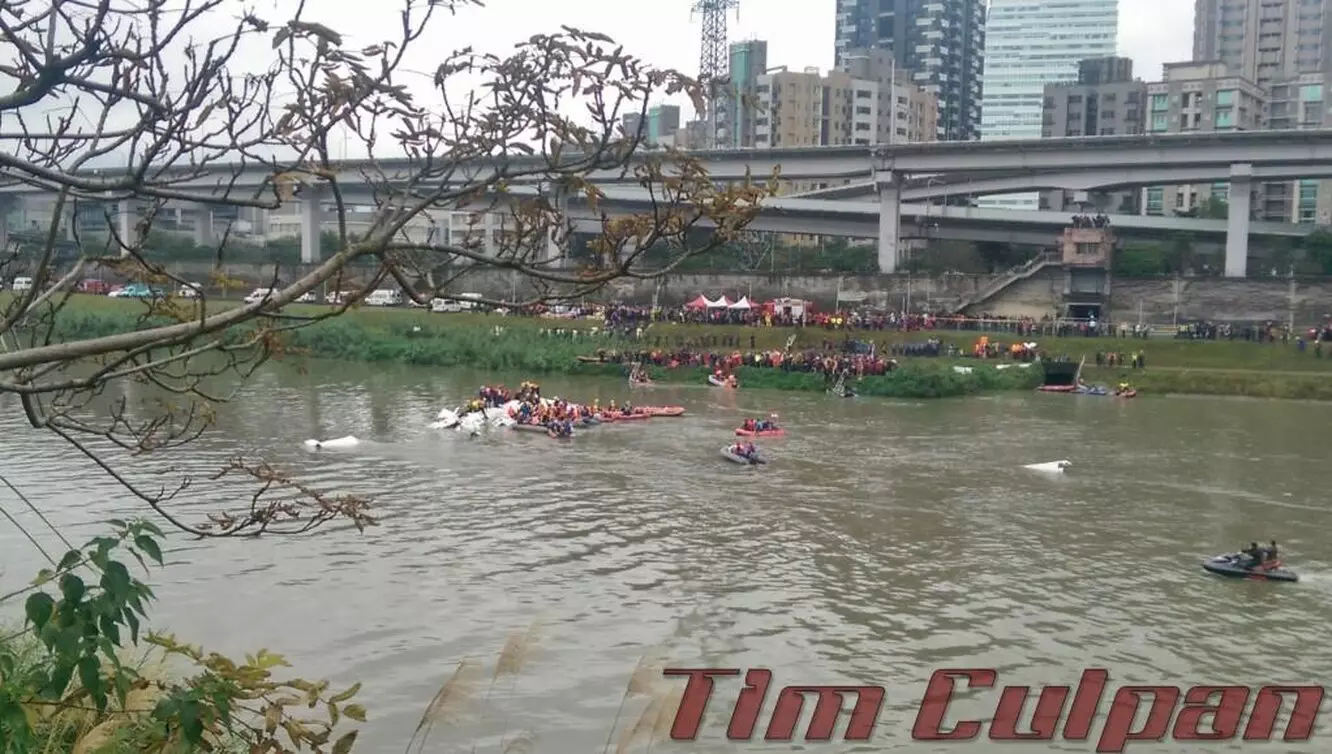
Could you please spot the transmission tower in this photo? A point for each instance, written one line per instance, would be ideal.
(713, 61)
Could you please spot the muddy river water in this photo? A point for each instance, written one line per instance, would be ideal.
(885, 540)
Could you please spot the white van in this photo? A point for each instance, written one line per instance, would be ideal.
(22, 284)
(384, 297)
(465, 302)
(259, 294)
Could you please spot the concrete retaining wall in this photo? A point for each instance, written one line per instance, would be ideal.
(1160, 299)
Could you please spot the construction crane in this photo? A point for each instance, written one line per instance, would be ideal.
(714, 62)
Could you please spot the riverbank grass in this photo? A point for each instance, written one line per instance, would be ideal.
(418, 337)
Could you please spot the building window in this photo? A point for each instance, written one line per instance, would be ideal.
(1225, 118)
(1311, 93)
(1160, 102)
(1225, 98)
(1160, 122)
(1156, 200)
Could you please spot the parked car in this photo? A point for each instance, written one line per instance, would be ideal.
(338, 298)
(384, 297)
(137, 290)
(307, 298)
(190, 290)
(465, 302)
(96, 287)
(259, 294)
(22, 284)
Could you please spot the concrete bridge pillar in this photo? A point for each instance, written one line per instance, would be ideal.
(312, 222)
(203, 225)
(1237, 221)
(127, 221)
(7, 206)
(889, 186)
(556, 238)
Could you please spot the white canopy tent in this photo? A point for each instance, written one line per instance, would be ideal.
(720, 303)
(743, 303)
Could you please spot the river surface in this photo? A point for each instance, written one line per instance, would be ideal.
(885, 540)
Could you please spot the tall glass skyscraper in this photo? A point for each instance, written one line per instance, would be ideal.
(1031, 43)
(941, 42)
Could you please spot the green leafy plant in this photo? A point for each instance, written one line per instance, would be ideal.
(66, 685)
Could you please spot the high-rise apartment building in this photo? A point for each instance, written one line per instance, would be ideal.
(905, 111)
(749, 60)
(810, 109)
(1301, 101)
(1200, 96)
(1105, 101)
(632, 125)
(942, 43)
(1031, 43)
(1285, 47)
(662, 123)
(658, 129)
(1264, 40)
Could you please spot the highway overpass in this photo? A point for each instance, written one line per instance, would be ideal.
(898, 174)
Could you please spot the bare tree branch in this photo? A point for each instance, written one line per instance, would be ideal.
(139, 108)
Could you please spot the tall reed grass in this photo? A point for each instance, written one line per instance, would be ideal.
(501, 348)
(455, 704)
(513, 344)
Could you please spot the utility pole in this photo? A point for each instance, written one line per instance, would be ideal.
(714, 65)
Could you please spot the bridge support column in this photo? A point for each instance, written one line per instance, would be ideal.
(889, 186)
(559, 233)
(1237, 220)
(127, 222)
(203, 226)
(7, 206)
(312, 223)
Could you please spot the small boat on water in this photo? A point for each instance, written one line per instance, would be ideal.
(620, 416)
(659, 411)
(1130, 393)
(729, 454)
(1236, 566)
(775, 432)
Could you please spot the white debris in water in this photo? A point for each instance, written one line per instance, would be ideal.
(1050, 467)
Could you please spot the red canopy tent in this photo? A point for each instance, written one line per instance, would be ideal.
(699, 303)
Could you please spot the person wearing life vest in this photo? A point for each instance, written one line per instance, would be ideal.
(750, 425)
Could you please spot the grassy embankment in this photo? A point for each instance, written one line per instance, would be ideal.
(413, 336)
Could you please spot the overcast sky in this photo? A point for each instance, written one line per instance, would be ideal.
(799, 32)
